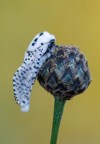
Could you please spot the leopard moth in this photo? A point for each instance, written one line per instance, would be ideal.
(37, 53)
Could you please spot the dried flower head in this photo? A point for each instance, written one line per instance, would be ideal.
(66, 73)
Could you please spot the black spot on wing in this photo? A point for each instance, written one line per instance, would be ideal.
(33, 44)
(23, 102)
(42, 43)
(14, 80)
(35, 67)
(36, 39)
(41, 34)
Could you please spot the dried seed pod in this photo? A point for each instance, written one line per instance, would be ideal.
(66, 73)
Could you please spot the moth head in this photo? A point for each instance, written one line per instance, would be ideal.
(43, 38)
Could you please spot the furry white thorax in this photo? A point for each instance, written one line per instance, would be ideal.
(26, 74)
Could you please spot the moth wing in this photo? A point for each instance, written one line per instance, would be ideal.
(23, 81)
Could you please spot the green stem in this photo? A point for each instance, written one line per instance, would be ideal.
(58, 111)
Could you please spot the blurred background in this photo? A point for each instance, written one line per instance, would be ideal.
(73, 22)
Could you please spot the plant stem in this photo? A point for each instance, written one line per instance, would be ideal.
(58, 111)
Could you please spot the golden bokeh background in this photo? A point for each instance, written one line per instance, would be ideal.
(73, 22)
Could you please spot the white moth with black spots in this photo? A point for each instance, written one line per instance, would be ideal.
(37, 53)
